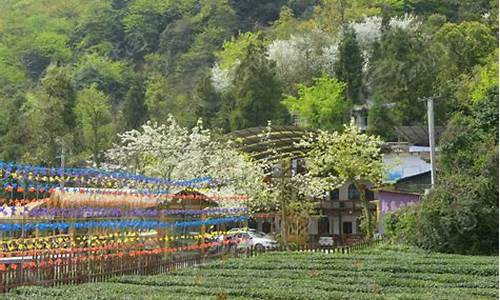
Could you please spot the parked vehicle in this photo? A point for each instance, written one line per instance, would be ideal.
(326, 241)
(251, 238)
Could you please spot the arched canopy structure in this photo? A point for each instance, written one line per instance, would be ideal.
(259, 142)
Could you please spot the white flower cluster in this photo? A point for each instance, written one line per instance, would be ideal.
(301, 57)
(328, 57)
(174, 152)
(291, 56)
(222, 79)
(406, 22)
(370, 30)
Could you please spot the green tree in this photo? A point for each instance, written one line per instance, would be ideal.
(381, 120)
(134, 108)
(460, 214)
(100, 30)
(332, 15)
(455, 11)
(403, 71)
(57, 84)
(108, 75)
(349, 66)
(44, 127)
(159, 99)
(144, 21)
(465, 45)
(322, 105)
(208, 102)
(93, 113)
(255, 96)
(12, 130)
(254, 14)
(236, 49)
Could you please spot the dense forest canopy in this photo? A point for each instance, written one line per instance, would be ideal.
(76, 73)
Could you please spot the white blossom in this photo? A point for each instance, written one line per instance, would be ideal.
(174, 152)
(302, 57)
(368, 31)
(291, 56)
(366, 60)
(328, 57)
(406, 22)
(221, 79)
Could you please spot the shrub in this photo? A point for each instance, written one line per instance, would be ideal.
(460, 216)
(401, 225)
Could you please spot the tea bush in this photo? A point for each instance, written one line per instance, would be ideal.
(385, 272)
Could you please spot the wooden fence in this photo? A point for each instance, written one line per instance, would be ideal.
(364, 244)
(75, 268)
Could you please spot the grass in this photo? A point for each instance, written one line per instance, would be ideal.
(378, 273)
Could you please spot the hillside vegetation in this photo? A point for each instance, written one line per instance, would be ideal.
(67, 67)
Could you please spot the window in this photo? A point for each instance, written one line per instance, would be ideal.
(370, 195)
(266, 227)
(347, 227)
(334, 195)
(323, 226)
(353, 193)
(257, 234)
(364, 121)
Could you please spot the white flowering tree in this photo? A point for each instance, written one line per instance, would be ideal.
(222, 79)
(302, 57)
(294, 58)
(173, 152)
(369, 30)
(348, 156)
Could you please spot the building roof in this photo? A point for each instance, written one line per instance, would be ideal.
(108, 198)
(397, 192)
(417, 135)
(282, 138)
(400, 167)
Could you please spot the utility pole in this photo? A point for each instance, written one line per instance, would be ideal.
(62, 165)
(430, 117)
(60, 141)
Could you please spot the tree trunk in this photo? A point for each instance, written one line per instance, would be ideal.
(284, 235)
(366, 211)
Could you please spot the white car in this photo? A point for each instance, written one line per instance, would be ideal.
(326, 241)
(258, 240)
(251, 238)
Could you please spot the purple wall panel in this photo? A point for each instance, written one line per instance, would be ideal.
(390, 201)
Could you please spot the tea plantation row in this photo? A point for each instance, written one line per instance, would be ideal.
(379, 273)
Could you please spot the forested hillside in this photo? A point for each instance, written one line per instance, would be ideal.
(78, 72)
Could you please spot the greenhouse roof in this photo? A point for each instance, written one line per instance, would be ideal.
(281, 138)
(417, 135)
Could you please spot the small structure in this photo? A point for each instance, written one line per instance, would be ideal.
(360, 115)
